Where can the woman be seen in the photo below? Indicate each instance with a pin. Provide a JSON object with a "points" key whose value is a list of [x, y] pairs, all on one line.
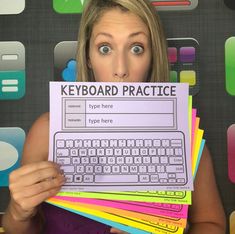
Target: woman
{"points": [[119, 40]]}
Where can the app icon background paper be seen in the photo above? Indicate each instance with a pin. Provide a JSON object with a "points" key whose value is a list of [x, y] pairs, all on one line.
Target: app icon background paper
{"points": [[68, 6], [230, 65], [11, 147], [9, 7], [12, 70], [64, 61], [183, 55]]}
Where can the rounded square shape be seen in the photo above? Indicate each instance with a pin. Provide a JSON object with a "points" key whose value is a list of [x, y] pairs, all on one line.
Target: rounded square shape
{"points": [[68, 6], [173, 76], [11, 147], [230, 65], [10, 7], [187, 54], [65, 67], [188, 77], [187, 60], [172, 54], [12, 70], [231, 152]]}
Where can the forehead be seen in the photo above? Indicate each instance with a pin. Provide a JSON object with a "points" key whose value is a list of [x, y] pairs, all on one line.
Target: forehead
{"points": [[118, 20]]}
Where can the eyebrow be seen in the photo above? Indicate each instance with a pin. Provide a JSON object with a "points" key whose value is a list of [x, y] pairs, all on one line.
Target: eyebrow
{"points": [[130, 36]]}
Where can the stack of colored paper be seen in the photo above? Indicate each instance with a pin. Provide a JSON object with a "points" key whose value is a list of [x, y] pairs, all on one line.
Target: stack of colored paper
{"points": [[138, 211]]}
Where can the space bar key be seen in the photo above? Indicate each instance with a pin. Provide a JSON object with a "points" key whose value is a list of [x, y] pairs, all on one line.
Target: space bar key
{"points": [[116, 178]]}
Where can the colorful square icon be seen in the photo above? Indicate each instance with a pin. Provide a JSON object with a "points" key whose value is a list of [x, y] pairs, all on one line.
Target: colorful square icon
{"points": [[11, 147], [230, 65], [173, 76], [10, 7], [172, 54], [187, 54], [188, 77], [174, 5], [183, 54], [230, 4], [12, 70], [68, 6], [65, 66]]}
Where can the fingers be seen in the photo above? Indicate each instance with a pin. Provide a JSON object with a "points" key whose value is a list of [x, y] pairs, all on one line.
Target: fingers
{"points": [[46, 174], [32, 184], [26, 169], [40, 187], [30, 203]]}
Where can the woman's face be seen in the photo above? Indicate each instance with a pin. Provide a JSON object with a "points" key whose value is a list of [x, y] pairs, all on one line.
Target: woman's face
{"points": [[120, 49]]}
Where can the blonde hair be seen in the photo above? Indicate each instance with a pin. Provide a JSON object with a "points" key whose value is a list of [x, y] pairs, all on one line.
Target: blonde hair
{"points": [[94, 9]]}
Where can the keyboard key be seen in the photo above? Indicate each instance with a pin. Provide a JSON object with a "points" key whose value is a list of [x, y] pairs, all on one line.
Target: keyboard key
{"points": [[64, 161], [144, 178], [67, 169], [172, 169], [60, 143], [116, 178], [62, 152]]}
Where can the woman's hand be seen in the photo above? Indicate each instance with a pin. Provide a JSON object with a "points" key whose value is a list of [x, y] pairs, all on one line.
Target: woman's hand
{"points": [[32, 184]]}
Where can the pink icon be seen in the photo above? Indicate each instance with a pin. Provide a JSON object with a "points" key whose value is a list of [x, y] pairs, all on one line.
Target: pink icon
{"points": [[231, 152]]}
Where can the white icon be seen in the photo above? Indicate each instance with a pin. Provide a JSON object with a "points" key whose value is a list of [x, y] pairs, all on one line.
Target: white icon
{"points": [[9, 155], [9, 7]]}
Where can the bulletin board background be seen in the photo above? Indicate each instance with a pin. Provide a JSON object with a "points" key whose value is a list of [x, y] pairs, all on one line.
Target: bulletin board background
{"points": [[40, 28]]}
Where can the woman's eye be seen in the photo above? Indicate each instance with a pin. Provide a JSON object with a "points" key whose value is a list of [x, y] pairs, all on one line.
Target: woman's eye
{"points": [[137, 49], [104, 49]]}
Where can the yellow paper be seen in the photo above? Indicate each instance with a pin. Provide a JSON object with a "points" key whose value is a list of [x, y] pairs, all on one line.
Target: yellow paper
{"points": [[198, 141], [179, 197], [152, 227], [195, 137], [125, 213]]}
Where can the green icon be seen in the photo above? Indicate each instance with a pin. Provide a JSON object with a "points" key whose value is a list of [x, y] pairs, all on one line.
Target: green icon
{"points": [[230, 65], [68, 6], [12, 85], [173, 76]]}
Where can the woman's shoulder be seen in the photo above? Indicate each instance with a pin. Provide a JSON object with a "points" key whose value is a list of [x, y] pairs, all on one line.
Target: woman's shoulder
{"points": [[43, 117], [41, 124]]}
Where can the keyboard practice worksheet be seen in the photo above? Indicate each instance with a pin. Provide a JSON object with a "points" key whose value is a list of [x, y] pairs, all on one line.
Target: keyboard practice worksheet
{"points": [[121, 136]]}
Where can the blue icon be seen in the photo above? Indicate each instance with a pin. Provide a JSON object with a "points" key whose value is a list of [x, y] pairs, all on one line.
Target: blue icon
{"points": [[11, 147], [69, 73], [65, 65], [12, 70]]}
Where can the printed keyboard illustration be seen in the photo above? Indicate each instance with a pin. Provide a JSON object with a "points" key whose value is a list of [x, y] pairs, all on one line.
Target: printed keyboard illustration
{"points": [[121, 158], [163, 206], [162, 194]]}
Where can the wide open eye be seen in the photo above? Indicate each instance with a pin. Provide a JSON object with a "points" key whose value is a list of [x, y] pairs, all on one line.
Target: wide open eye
{"points": [[105, 49], [137, 49]]}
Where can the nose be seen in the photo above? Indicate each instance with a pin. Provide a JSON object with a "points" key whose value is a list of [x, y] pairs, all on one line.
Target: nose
{"points": [[120, 66]]}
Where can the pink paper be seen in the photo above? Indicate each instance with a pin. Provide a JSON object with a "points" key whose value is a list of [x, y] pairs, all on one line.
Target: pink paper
{"points": [[161, 209]]}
